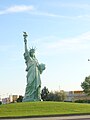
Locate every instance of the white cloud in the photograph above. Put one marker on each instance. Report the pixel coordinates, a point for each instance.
(20, 8)
(47, 14)
(31, 9)
(56, 45)
(74, 17)
(72, 5)
(17, 8)
(77, 42)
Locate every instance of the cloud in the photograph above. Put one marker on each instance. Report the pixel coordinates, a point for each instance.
(78, 42)
(55, 45)
(32, 10)
(72, 17)
(17, 8)
(71, 5)
(47, 14)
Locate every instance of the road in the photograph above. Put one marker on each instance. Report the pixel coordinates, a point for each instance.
(79, 117)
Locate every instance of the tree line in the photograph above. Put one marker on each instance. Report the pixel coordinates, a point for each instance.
(49, 96)
(52, 96)
(46, 95)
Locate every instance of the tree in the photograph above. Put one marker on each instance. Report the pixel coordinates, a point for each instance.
(52, 96)
(0, 102)
(56, 96)
(20, 99)
(62, 94)
(86, 85)
(44, 94)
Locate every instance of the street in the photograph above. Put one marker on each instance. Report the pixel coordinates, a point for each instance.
(78, 117)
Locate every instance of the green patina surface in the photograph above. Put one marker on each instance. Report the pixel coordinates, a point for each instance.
(34, 69)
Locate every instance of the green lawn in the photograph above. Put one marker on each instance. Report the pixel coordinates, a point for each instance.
(42, 108)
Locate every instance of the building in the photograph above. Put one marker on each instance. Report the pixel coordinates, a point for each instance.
(76, 95)
(5, 100)
(10, 99)
(13, 98)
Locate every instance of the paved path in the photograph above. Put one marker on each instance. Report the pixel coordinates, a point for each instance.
(80, 117)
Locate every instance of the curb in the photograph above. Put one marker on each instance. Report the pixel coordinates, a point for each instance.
(41, 116)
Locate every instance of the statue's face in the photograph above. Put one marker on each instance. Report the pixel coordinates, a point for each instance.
(32, 54)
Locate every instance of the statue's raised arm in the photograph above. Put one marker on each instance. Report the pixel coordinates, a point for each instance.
(25, 41)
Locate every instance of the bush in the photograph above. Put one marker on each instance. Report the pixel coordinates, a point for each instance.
(44, 94)
(82, 101)
(0, 102)
(20, 99)
(56, 96)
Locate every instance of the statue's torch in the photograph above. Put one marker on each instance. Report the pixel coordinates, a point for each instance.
(25, 36)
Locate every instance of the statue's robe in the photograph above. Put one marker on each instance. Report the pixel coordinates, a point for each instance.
(33, 86)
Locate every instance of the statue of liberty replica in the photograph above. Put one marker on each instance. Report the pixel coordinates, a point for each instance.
(34, 69)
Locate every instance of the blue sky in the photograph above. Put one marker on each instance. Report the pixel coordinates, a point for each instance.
(60, 31)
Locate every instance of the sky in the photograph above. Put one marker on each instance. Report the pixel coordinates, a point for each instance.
(60, 32)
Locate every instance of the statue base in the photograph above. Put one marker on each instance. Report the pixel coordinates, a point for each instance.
(27, 99)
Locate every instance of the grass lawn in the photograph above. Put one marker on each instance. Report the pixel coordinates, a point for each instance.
(42, 108)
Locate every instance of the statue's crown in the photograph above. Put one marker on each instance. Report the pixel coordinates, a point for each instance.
(32, 50)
